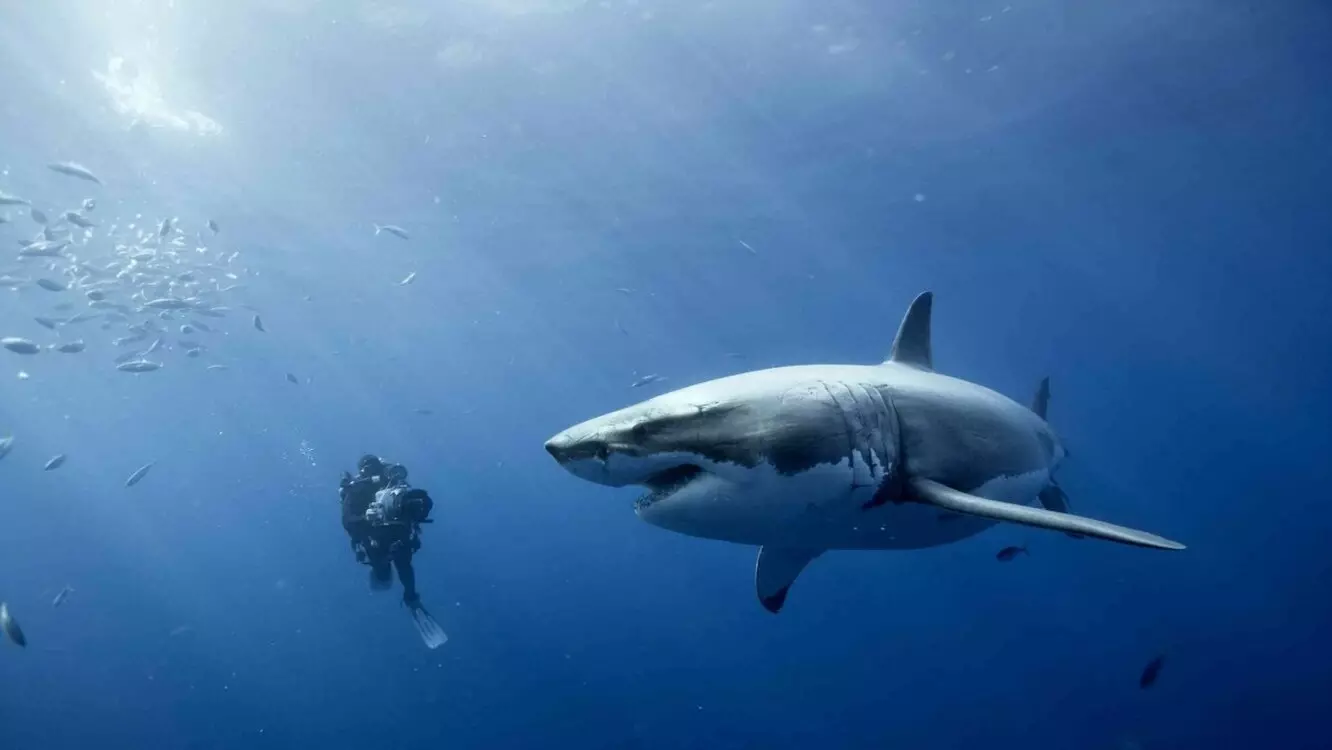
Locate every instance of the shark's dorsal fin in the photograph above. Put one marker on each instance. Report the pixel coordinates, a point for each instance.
(947, 498)
(1041, 404)
(912, 345)
(776, 570)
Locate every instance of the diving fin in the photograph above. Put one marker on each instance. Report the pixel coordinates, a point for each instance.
(945, 497)
(775, 571)
(431, 633)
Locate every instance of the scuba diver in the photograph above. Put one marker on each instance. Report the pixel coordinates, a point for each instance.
(383, 515)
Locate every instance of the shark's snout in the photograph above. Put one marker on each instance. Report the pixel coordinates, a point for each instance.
(558, 447)
(565, 447)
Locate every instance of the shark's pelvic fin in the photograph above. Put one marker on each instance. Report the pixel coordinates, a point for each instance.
(960, 502)
(912, 345)
(1041, 404)
(776, 570)
(1053, 498)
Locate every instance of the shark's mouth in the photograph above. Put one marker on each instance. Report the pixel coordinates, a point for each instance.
(663, 484)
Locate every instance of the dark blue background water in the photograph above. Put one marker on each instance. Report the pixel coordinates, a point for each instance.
(1131, 197)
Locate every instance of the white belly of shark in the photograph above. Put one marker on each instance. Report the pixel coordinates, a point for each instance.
(801, 460)
(768, 508)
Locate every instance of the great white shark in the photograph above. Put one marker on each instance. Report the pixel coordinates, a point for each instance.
(804, 459)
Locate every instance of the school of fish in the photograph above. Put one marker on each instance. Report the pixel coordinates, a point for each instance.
(144, 285)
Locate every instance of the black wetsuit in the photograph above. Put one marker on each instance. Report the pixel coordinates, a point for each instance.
(376, 545)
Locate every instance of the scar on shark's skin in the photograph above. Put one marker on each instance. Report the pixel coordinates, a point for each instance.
(804, 459)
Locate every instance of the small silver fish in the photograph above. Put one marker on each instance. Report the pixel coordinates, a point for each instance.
(647, 380)
(12, 200)
(1008, 553)
(37, 215)
(217, 367)
(168, 303)
(164, 228)
(56, 462)
(74, 169)
(70, 347)
(138, 474)
(46, 322)
(89, 204)
(19, 345)
(43, 249)
(6, 445)
(410, 277)
(292, 379)
(62, 596)
(11, 626)
(259, 324)
(138, 365)
(73, 217)
(51, 285)
(392, 229)
(212, 226)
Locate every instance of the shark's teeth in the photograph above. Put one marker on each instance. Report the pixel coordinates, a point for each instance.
(664, 483)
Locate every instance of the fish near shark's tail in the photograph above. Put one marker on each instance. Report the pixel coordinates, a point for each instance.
(378, 229)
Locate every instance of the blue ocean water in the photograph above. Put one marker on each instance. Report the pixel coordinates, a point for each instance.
(1129, 197)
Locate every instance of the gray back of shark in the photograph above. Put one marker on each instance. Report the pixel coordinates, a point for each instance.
(799, 460)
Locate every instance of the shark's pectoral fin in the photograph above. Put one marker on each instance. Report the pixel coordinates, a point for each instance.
(776, 570)
(948, 498)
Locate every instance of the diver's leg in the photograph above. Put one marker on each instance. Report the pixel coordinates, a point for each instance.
(403, 562)
(381, 575)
